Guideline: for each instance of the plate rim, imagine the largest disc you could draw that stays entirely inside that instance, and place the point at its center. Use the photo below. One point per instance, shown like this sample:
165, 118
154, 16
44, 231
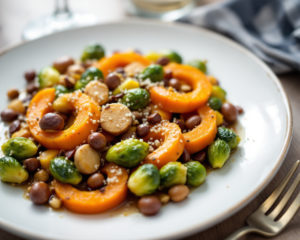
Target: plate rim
10, 227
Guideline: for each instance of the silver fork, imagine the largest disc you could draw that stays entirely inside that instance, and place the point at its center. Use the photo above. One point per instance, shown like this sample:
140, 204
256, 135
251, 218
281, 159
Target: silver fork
266, 223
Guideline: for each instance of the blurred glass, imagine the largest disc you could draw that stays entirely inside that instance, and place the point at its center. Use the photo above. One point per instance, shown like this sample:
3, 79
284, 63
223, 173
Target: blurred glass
62, 18
167, 10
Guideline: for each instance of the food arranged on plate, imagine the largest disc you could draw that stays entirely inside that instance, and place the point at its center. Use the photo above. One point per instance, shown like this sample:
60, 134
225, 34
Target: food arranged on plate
88, 133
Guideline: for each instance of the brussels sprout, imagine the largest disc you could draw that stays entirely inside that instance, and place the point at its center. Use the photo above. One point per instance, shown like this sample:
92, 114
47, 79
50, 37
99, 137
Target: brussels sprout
93, 51
196, 173
12, 171
215, 103
48, 77
64, 170
61, 89
218, 92
19, 148
89, 75
145, 180
201, 65
154, 72
218, 153
172, 173
128, 153
136, 98
172, 56
228, 136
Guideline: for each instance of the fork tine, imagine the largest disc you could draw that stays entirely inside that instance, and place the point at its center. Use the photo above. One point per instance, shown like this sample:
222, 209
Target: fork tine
291, 211
285, 199
267, 204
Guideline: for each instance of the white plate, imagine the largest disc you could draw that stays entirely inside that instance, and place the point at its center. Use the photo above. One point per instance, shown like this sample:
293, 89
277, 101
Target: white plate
249, 82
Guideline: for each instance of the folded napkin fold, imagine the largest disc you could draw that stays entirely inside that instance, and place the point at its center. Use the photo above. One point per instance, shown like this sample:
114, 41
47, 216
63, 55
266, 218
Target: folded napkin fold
269, 28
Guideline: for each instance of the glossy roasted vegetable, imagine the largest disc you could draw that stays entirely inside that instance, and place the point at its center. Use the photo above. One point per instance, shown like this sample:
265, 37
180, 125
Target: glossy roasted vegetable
64, 170
129, 83
12, 171
172, 56
154, 72
19, 148
128, 153
215, 103
196, 173
228, 136
48, 77
93, 51
218, 153
172, 173
89, 75
137, 98
218, 92
145, 180
201, 65
60, 90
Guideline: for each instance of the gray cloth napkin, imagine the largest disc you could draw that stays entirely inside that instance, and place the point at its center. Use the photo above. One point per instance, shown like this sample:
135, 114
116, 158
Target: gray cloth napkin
269, 28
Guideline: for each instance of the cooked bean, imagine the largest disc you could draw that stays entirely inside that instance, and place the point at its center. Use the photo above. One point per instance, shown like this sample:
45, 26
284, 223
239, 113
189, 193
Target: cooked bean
63, 63
149, 205
229, 112
70, 154
95, 181
168, 74
154, 118
180, 123
31, 88
115, 98
39, 193
120, 70
199, 156
55, 202
12, 93
185, 157
192, 122
116, 118
41, 176
97, 140
8, 115
137, 115
178, 193
14, 126
112, 81
86, 159
143, 130
163, 61
30, 75
69, 82
97, 91
174, 83
51, 121
31, 164
239, 109
17, 105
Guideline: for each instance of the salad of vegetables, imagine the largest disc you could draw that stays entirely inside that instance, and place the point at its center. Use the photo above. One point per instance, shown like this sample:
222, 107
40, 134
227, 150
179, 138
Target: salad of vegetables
87, 133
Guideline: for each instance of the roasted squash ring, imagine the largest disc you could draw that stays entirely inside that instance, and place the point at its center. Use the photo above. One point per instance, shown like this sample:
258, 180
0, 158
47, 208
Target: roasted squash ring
172, 101
86, 120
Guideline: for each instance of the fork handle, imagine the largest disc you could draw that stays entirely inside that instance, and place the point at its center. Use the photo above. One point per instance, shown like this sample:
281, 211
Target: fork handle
241, 232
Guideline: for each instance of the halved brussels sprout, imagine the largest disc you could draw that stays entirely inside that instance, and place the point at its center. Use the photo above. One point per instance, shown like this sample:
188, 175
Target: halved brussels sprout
64, 170
172, 173
48, 77
196, 173
145, 180
137, 98
154, 72
12, 171
93, 51
172, 56
215, 103
89, 75
19, 148
218, 92
229, 136
218, 153
201, 65
128, 153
